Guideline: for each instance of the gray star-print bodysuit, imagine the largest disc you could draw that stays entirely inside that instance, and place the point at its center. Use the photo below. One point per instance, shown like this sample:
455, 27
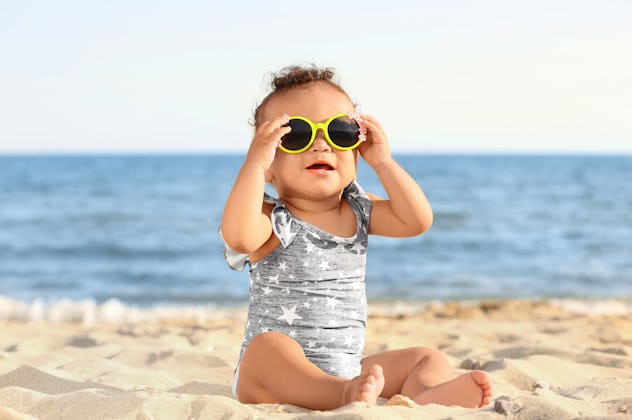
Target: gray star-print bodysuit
311, 287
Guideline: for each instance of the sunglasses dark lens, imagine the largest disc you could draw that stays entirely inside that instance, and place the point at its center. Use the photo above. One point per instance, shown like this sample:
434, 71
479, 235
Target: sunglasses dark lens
344, 131
299, 137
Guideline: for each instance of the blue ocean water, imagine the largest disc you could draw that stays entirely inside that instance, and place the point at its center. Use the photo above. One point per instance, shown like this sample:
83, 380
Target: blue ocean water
143, 229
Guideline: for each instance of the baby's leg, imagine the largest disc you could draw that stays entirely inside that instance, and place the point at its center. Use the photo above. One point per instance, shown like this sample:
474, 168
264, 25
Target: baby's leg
274, 369
425, 375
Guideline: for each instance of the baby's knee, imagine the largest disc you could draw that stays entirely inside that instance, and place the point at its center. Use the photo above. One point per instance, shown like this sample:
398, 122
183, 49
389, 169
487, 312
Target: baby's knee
269, 338
272, 340
431, 355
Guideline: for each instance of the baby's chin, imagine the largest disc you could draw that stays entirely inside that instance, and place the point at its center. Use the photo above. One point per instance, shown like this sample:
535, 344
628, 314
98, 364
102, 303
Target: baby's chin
314, 190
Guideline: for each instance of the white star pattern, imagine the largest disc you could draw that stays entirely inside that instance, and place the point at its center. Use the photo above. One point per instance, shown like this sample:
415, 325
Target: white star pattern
331, 302
309, 248
324, 265
306, 264
357, 247
348, 340
289, 315
306, 305
274, 279
266, 290
283, 265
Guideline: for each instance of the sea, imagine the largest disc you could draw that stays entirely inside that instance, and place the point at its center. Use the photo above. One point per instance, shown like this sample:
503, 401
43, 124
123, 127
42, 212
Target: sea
141, 231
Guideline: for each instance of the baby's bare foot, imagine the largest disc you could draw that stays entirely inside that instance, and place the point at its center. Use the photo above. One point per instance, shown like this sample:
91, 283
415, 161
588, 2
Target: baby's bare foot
366, 387
471, 390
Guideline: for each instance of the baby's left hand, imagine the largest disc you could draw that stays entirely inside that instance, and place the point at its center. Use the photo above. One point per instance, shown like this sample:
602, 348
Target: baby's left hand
375, 150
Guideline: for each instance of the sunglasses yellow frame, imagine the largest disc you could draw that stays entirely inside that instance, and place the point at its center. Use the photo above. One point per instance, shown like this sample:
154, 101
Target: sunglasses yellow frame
320, 126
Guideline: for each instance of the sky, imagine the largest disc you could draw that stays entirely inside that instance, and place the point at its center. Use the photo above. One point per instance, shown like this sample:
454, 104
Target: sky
441, 76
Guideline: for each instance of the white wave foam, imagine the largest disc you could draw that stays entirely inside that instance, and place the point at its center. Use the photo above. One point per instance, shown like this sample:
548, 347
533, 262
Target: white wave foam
88, 312
595, 307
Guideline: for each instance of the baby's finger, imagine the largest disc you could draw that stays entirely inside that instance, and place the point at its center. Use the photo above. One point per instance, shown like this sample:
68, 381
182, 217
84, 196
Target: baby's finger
375, 132
375, 122
272, 125
371, 125
282, 131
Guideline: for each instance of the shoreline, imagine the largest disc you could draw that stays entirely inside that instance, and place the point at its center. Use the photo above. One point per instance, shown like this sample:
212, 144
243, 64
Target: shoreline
545, 361
88, 312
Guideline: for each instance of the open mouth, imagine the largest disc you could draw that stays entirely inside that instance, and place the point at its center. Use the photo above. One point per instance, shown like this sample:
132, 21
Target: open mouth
320, 166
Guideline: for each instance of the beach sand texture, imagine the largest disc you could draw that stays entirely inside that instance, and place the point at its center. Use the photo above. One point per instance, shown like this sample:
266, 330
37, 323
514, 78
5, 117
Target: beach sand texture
545, 361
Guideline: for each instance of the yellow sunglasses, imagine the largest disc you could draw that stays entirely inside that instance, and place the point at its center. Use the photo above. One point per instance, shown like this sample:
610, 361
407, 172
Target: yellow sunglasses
341, 131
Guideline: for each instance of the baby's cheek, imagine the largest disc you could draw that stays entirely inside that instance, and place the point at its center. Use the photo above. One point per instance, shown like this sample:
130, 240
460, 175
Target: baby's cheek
349, 164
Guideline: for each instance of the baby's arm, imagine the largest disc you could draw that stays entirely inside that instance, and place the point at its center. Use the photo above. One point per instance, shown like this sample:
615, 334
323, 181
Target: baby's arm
407, 211
245, 227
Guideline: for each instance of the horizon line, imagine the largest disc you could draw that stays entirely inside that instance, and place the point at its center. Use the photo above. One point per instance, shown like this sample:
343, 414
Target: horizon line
142, 152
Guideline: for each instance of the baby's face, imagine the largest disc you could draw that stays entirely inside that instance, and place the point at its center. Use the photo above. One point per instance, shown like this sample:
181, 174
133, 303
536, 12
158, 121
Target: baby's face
320, 171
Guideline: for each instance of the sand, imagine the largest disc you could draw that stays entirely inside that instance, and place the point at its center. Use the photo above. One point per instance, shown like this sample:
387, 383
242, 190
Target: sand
545, 361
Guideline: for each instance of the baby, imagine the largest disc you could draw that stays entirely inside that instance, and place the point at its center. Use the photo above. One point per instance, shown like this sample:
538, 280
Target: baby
304, 337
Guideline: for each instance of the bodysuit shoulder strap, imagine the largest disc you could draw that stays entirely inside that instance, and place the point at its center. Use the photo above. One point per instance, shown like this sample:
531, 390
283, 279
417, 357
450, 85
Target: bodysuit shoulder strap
360, 201
284, 224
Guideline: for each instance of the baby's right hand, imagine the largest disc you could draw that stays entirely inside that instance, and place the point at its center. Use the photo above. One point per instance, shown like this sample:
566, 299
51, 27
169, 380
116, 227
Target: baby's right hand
266, 141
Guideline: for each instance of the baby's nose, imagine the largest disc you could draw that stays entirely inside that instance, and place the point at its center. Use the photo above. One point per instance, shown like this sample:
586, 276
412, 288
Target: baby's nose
320, 143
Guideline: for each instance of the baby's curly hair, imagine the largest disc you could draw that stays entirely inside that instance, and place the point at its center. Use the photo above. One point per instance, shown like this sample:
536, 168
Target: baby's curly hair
294, 76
